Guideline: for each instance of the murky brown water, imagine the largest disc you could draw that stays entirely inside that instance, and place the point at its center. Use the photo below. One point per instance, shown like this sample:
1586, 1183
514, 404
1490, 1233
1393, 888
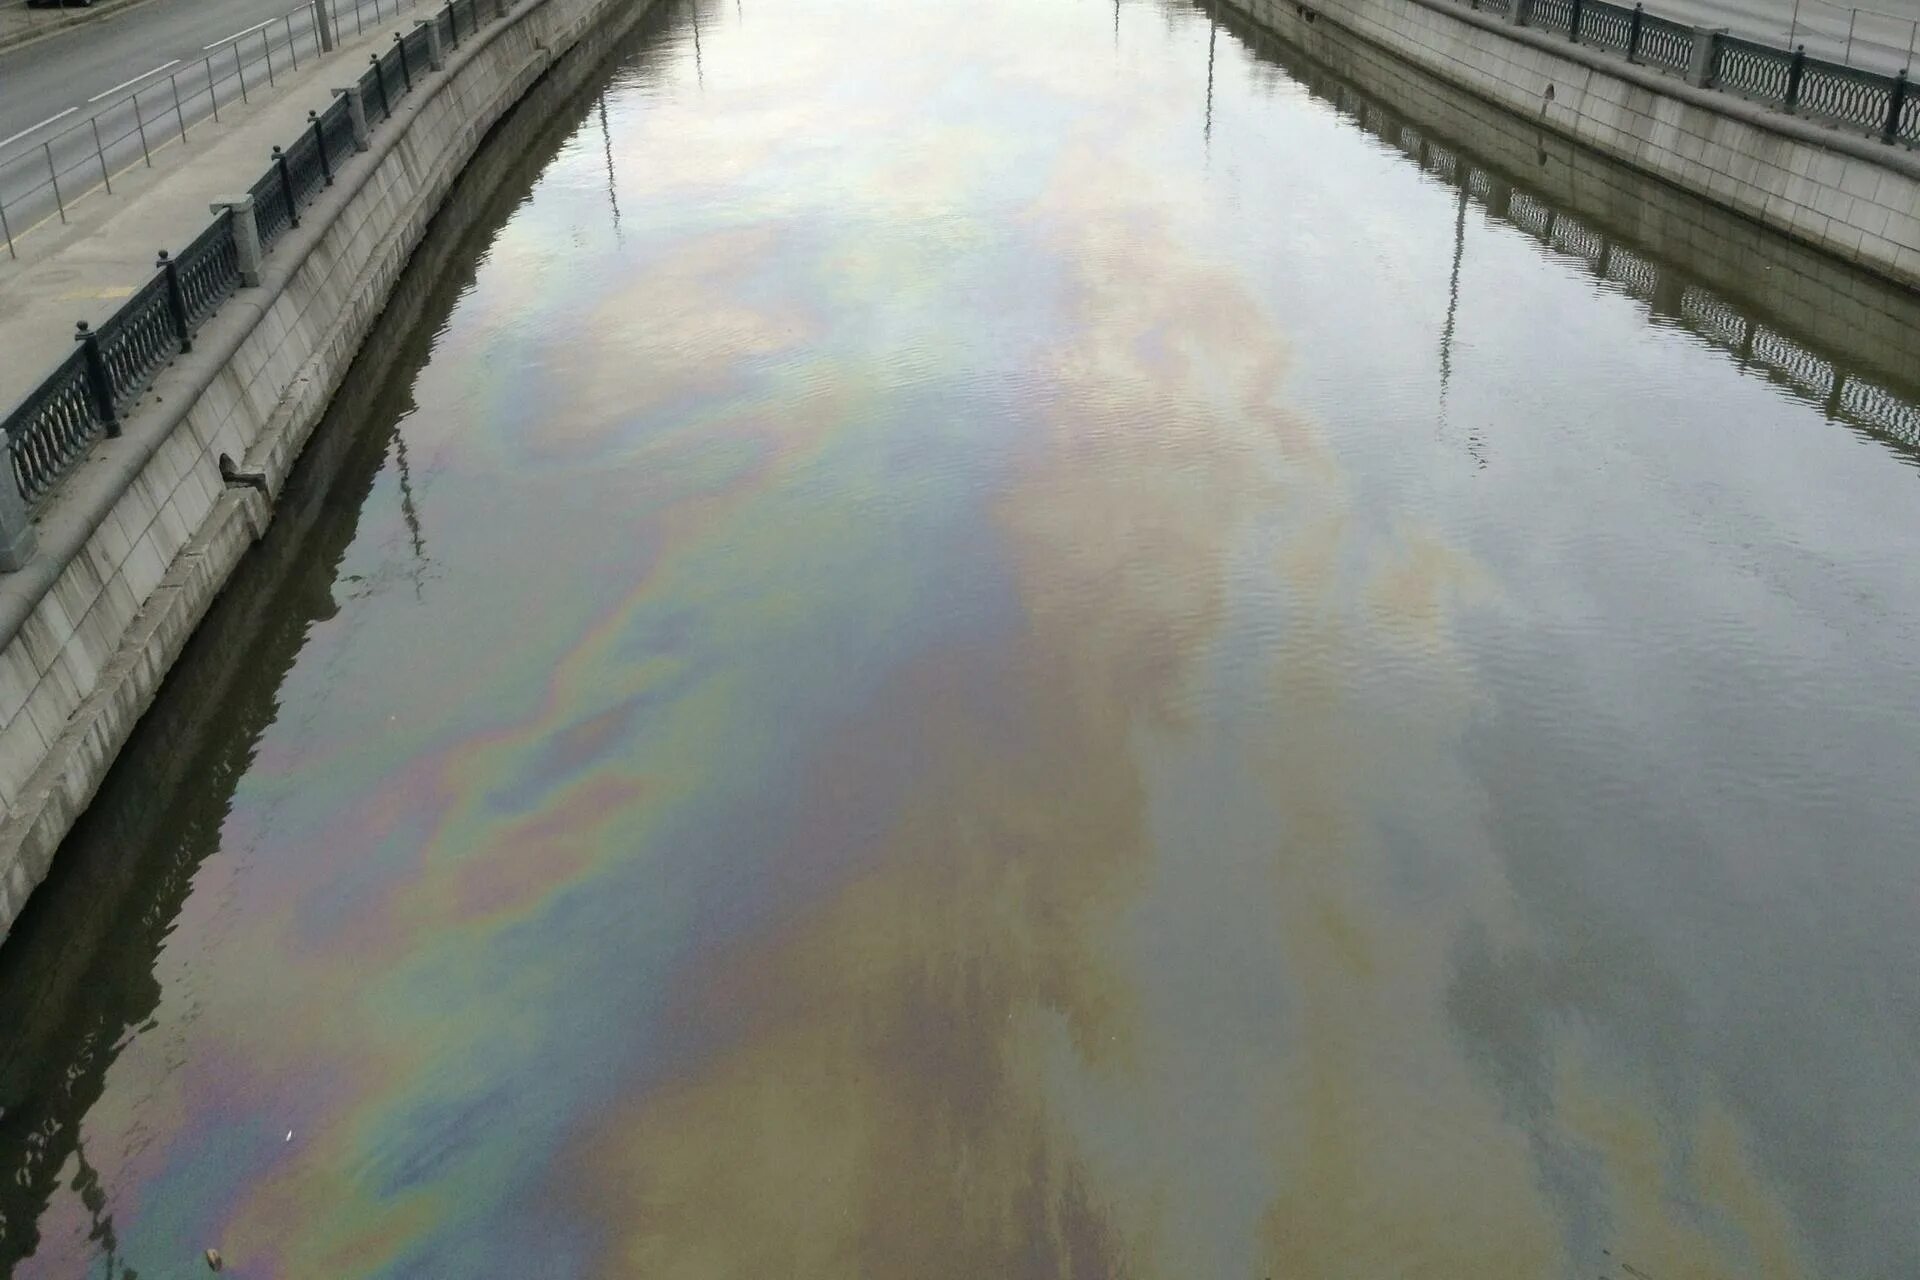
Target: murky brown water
1029, 637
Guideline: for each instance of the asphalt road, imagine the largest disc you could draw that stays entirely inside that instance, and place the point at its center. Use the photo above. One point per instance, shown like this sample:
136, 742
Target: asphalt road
144, 75
67, 69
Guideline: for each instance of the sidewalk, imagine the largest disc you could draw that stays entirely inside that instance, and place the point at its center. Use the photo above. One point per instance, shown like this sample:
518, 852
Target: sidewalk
106, 250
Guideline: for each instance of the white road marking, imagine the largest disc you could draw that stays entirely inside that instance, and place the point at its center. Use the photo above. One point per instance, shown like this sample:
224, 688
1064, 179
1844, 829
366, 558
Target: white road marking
226, 40
171, 62
43, 124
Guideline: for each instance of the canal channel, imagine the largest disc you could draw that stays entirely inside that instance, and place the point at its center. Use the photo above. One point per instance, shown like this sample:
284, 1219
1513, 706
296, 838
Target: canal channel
1028, 638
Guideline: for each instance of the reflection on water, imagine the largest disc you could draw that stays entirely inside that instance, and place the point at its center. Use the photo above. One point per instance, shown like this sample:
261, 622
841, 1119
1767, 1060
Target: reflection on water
1825, 313
1027, 638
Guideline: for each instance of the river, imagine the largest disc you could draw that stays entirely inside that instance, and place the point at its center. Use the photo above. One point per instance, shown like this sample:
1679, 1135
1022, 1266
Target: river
1028, 638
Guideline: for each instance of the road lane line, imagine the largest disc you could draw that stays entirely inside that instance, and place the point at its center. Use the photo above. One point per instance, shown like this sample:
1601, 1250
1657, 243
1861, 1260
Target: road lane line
227, 40
172, 62
43, 124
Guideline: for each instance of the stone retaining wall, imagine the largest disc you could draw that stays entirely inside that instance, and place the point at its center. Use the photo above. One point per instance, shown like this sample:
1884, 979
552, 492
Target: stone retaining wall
1849, 196
1849, 313
141, 538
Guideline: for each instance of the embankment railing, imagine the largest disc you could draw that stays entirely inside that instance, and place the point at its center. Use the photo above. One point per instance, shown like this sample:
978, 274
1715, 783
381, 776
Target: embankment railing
83, 399
1834, 93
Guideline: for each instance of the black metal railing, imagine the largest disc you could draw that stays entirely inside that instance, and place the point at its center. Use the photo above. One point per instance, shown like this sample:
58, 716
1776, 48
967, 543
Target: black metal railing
1608, 26
373, 92
52, 427
393, 76
1664, 43
209, 270
110, 368
1842, 94
138, 340
336, 131
1755, 70
270, 211
415, 46
1550, 15
305, 172
1633, 33
1886, 107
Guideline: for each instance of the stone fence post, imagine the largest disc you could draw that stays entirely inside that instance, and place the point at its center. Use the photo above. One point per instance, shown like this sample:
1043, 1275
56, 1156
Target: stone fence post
246, 235
17, 540
435, 58
1517, 12
357, 112
1706, 50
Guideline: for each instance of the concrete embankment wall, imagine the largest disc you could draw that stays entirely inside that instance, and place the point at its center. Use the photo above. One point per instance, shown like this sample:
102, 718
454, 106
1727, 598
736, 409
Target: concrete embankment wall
1849, 196
140, 541
1857, 317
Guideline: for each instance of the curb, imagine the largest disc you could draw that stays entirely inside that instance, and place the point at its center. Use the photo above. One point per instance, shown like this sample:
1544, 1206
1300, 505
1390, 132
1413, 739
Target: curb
99, 10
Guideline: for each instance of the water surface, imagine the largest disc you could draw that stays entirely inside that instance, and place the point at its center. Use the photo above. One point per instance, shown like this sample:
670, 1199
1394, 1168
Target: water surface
1027, 638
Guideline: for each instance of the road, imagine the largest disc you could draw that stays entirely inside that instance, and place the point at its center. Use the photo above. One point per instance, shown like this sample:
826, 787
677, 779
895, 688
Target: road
157, 68
67, 70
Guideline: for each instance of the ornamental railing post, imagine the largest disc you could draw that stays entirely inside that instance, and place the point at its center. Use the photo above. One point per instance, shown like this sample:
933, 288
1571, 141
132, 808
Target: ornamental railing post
176, 300
17, 540
99, 379
380, 78
320, 145
286, 187
406, 72
1573, 21
1795, 70
357, 113
1633, 33
1896, 103
1705, 56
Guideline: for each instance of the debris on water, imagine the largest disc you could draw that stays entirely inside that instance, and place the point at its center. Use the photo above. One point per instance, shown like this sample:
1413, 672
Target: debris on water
289, 1135
213, 1260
